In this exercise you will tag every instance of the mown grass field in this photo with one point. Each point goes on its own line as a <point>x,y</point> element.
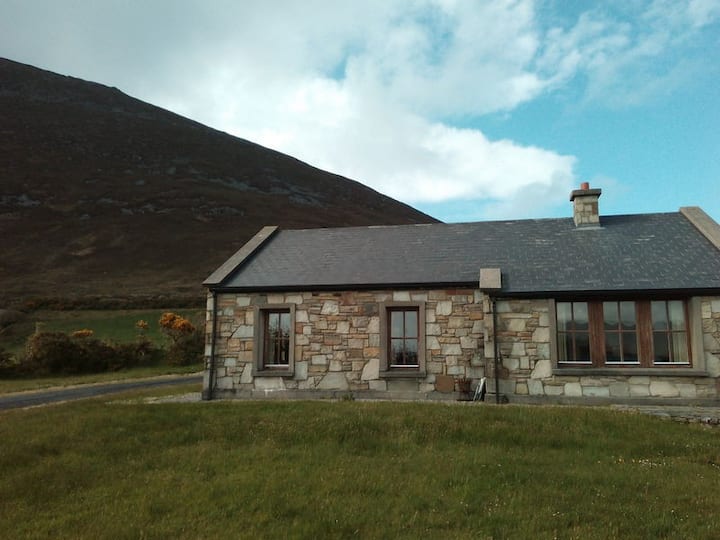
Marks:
<point>109,325</point>
<point>97,469</point>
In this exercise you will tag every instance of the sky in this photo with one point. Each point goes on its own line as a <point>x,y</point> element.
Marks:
<point>466,110</point>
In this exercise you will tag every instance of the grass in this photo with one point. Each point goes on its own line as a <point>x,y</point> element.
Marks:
<point>38,383</point>
<point>97,469</point>
<point>111,325</point>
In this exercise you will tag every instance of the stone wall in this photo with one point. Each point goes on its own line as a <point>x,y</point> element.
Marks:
<point>337,349</point>
<point>337,342</point>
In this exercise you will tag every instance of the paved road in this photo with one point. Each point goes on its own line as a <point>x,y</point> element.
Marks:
<point>43,397</point>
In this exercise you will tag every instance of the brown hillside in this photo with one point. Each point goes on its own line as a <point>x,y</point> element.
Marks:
<point>103,194</point>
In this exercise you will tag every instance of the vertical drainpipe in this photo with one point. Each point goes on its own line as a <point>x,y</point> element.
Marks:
<point>496,351</point>
<point>490,284</point>
<point>213,334</point>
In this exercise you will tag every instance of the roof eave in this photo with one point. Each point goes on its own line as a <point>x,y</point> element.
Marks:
<point>241,256</point>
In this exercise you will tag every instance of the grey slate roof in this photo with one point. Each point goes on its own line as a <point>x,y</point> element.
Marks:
<point>653,252</point>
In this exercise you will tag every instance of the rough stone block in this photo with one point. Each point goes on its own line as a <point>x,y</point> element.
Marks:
<point>663,389</point>
<point>319,360</point>
<point>456,322</point>
<point>444,307</point>
<point>275,298</point>
<point>521,389</point>
<point>554,390</point>
<point>573,389</point>
<point>541,335</point>
<point>301,316</point>
<point>687,390</point>
<point>330,307</point>
<point>242,300</point>
<point>373,325</point>
<point>269,383</point>
<point>596,391</point>
<point>432,329</point>
<point>619,389</point>
<point>451,349</point>
<point>243,331</point>
<point>468,343</point>
<point>535,387</point>
<point>293,299</point>
<point>379,385</point>
<point>333,381</point>
<point>371,371</point>
<point>335,365</point>
<point>401,296</point>
<point>542,370</point>
<point>301,371</point>
<point>639,390</point>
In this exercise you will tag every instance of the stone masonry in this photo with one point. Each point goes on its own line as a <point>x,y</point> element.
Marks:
<point>337,342</point>
<point>337,350</point>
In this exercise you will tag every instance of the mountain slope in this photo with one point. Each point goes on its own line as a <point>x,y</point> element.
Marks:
<point>103,194</point>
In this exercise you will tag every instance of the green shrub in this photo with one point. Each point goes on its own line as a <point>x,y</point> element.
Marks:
<point>188,349</point>
<point>58,353</point>
<point>9,367</point>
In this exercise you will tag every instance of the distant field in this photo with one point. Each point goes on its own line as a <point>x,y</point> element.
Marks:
<point>114,325</point>
<point>113,469</point>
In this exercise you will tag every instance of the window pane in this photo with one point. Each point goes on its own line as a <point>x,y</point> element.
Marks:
<point>627,315</point>
<point>679,347</point>
<point>582,347</point>
<point>564,347</point>
<point>660,347</point>
<point>273,323</point>
<point>564,315</point>
<point>284,323</point>
<point>677,315</point>
<point>397,351</point>
<point>580,312</point>
<point>411,351</point>
<point>411,324</point>
<point>396,324</point>
<point>610,315</point>
<point>272,352</point>
<point>629,340</point>
<point>612,347</point>
<point>659,315</point>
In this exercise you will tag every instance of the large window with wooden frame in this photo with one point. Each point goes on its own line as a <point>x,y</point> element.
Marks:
<point>402,339</point>
<point>274,340</point>
<point>622,333</point>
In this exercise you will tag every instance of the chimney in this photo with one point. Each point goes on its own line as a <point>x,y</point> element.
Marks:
<point>585,206</point>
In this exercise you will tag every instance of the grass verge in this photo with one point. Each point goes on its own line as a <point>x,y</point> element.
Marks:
<point>39,383</point>
<point>97,469</point>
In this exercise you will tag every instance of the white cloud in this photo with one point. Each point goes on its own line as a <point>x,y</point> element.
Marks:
<point>371,89</point>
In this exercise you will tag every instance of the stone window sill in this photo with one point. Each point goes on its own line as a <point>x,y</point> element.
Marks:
<point>403,374</point>
<point>638,372</point>
<point>272,373</point>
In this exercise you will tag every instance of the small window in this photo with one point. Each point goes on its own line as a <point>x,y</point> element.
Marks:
<point>274,340</point>
<point>276,346</point>
<point>402,339</point>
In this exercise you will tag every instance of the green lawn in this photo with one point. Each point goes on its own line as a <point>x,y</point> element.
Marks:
<point>97,469</point>
<point>38,383</point>
<point>111,325</point>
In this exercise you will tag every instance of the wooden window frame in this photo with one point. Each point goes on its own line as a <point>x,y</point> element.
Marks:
<point>260,367</point>
<point>643,330</point>
<point>387,369</point>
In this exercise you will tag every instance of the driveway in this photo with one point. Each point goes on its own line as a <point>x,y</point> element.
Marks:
<point>54,395</point>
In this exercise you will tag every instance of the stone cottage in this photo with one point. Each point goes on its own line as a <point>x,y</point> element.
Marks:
<point>589,308</point>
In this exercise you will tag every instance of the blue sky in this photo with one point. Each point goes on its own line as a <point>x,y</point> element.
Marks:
<point>465,110</point>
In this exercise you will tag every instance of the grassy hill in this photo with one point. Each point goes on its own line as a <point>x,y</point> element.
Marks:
<point>104,195</point>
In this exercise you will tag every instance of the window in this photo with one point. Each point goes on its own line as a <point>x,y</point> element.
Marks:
<point>276,333</point>
<point>402,339</point>
<point>622,333</point>
<point>274,340</point>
